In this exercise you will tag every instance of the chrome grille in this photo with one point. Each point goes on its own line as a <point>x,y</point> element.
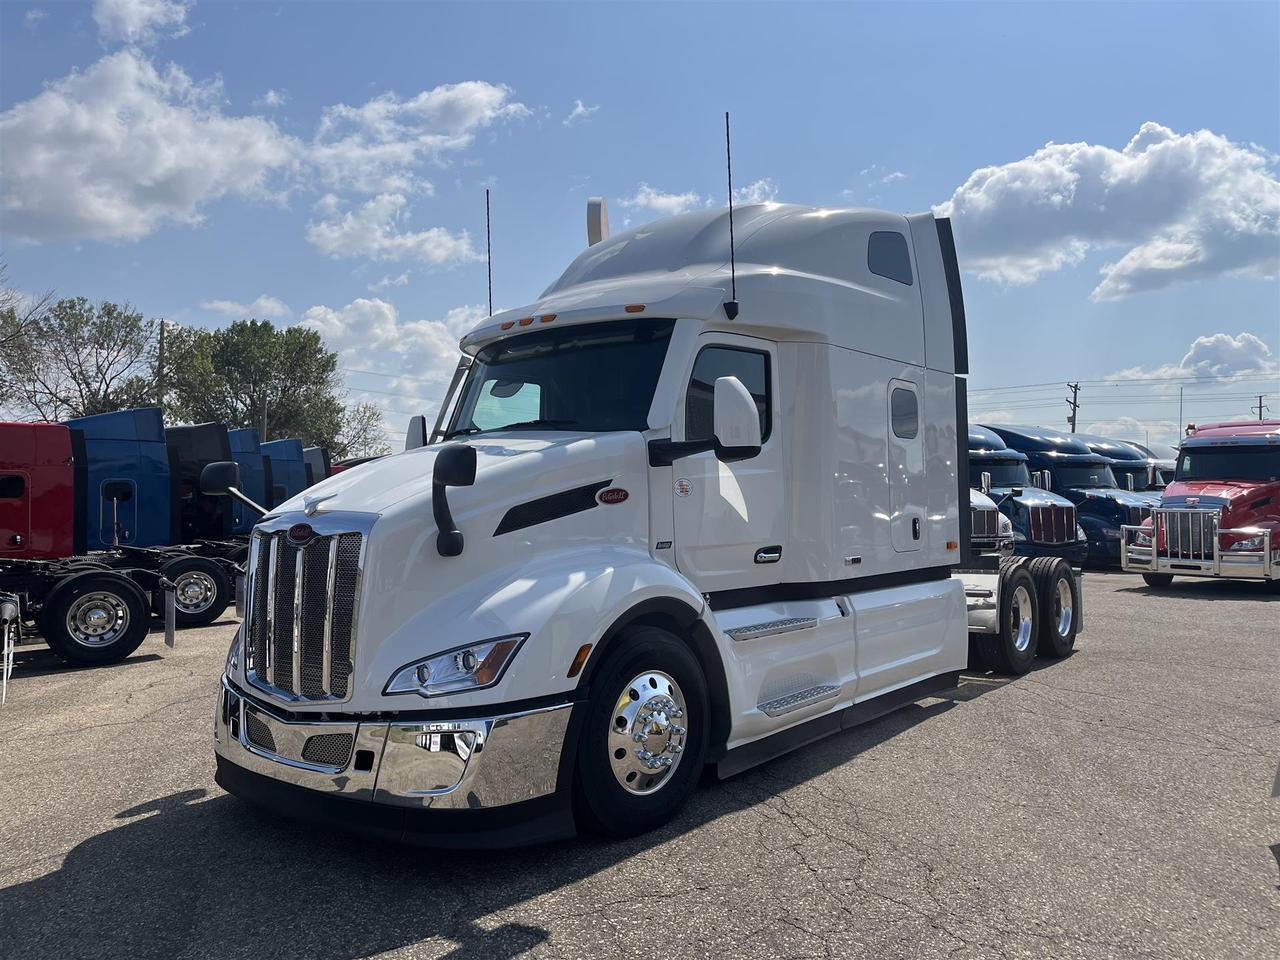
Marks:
<point>1052,524</point>
<point>1137,515</point>
<point>258,732</point>
<point>328,749</point>
<point>1187,534</point>
<point>984,523</point>
<point>302,608</point>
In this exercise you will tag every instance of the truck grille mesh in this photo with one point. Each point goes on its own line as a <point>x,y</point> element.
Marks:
<point>984,523</point>
<point>328,749</point>
<point>1053,524</point>
<point>1187,534</point>
<point>302,606</point>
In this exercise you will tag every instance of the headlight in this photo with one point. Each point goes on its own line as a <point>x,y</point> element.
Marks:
<point>233,655</point>
<point>1005,526</point>
<point>472,667</point>
<point>1250,543</point>
<point>1142,539</point>
<point>1019,536</point>
<point>1080,533</point>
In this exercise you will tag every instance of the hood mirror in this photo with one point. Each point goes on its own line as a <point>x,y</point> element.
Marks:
<point>984,483</point>
<point>455,466</point>
<point>222,479</point>
<point>417,435</point>
<point>1128,482</point>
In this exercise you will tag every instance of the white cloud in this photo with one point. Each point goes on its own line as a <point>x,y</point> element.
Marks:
<point>118,150</point>
<point>1134,428</point>
<point>579,113</point>
<point>389,281</point>
<point>667,204</point>
<point>263,308</point>
<point>140,21</point>
<point>271,100</point>
<point>374,230</point>
<point>1180,206</point>
<point>1216,356</point>
<point>31,19</point>
<point>403,366</point>
<point>378,147</point>
<point>759,191</point>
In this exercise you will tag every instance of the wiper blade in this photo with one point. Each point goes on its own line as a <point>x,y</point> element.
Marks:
<point>461,432</point>
<point>540,422</point>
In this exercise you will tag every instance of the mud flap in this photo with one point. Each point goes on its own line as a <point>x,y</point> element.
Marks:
<point>170,611</point>
<point>10,625</point>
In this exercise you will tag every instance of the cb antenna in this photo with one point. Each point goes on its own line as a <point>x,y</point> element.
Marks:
<point>488,248</point>
<point>731,306</point>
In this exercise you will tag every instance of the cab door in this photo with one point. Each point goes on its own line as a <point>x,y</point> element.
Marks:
<point>907,491</point>
<point>15,512</point>
<point>730,518</point>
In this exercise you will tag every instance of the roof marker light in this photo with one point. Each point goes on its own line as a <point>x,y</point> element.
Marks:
<point>546,318</point>
<point>525,321</point>
<point>507,324</point>
<point>634,308</point>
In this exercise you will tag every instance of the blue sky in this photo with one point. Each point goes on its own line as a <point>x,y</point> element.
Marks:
<point>325,163</point>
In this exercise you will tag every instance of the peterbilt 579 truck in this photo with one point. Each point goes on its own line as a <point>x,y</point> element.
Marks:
<point>1220,516</point>
<point>695,505</point>
<point>1064,464</point>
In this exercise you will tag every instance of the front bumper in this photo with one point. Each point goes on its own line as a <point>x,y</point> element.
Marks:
<point>497,780</point>
<point>1228,564</point>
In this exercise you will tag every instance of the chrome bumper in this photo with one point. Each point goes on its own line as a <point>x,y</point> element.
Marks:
<point>440,764</point>
<point>1207,559</point>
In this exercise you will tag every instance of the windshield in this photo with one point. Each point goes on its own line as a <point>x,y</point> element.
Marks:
<point>1004,473</point>
<point>1085,477</point>
<point>1256,464</point>
<point>594,377</point>
<point>1139,474</point>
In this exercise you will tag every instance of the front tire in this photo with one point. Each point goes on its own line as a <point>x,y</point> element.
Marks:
<point>1157,581</point>
<point>96,619</point>
<point>203,592</point>
<point>1013,649</point>
<point>645,736</point>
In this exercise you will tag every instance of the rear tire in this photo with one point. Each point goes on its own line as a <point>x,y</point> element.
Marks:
<point>1013,649</point>
<point>95,619</point>
<point>203,594</point>
<point>1158,581</point>
<point>650,684</point>
<point>1059,595</point>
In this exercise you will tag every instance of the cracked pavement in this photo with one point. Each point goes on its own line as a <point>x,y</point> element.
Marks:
<point>1115,804</point>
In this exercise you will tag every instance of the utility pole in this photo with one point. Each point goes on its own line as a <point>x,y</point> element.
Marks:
<point>263,435</point>
<point>1261,406</point>
<point>1074,402</point>
<point>160,367</point>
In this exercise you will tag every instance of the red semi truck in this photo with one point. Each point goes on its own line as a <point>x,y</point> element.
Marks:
<point>1220,516</point>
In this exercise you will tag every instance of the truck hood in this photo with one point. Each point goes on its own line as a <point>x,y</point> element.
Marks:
<point>377,486</point>
<point>1032,497</point>
<point>1220,491</point>
<point>1125,498</point>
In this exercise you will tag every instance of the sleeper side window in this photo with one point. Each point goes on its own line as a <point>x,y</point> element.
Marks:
<point>12,486</point>
<point>904,413</point>
<point>888,256</point>
<point>750,367</point>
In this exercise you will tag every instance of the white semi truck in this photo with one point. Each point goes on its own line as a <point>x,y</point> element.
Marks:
<point>695,505</point>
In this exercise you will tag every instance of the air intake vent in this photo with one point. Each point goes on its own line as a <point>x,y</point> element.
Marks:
<point>302,606</point>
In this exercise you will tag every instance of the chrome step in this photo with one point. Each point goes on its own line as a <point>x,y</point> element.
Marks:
<point>801,698</point>
<point>772,628</point>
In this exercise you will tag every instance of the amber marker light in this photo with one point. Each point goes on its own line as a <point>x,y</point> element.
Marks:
<point>952,545</point>
<point>634,308</point>
<point>546,318</point>
<point>579,659</point>
<point>507,324</point>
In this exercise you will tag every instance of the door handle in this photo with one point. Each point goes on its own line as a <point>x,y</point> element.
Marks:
<point>769,554</point>
<point>915,528</point>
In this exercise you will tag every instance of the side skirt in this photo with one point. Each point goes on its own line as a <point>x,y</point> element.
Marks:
<point>761,751</point>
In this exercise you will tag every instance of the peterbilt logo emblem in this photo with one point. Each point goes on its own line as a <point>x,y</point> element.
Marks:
<point>1193,500</point>
<point>613,495</point>
<point>300,533</point>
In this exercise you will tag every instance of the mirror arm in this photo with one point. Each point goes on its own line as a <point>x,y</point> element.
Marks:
<point>663,453</point>
<point>232,491</point>
<point>449,537</point>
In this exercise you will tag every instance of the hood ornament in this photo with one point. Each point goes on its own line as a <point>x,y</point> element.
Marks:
<point>310,505</point>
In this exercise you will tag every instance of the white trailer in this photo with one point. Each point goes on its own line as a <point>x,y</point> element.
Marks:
<point>693,506</point>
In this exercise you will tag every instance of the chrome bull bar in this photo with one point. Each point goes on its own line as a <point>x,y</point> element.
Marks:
<point>1187,542</point>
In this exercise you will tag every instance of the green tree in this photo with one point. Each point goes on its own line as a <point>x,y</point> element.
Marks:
<point>77,358</point>
<point>364,433</point>
<point>250,369</point>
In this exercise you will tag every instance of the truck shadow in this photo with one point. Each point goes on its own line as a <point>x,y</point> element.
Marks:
<point>40,661</point>
<point>202,872</point>
<point>1205,589</point>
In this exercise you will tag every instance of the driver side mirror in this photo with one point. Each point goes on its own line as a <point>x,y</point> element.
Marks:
<point>1128,481</point>
<point>1151,476</point>
<point>984,482</point>
<point>220,478</point>
<point>736,421</point>
<point>416,436</point>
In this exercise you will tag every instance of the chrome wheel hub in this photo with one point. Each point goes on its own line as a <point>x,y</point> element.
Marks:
<point>194,591</point>
<point>1063,608</point>
<point>1023,623</point>
<point>97,619</point>
<point>647,732</point>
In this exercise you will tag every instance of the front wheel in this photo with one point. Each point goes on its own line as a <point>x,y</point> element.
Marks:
<point>202,591</point>
<point>645,736</point>
<point>96,619</point>
<point>1157,581</point>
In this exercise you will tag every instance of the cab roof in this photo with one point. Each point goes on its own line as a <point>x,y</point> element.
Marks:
<point>1047,440</point>
<point>1116,450</point>
<point>1241,428</point>
<point>986,444</point>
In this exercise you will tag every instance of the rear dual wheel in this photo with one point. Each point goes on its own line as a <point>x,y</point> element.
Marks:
<point>1013,648</point>
<point>95,619</point>
<point>202,591</point>
<point>1058,593</point>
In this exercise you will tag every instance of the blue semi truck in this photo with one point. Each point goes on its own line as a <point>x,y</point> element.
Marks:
<point>1064,464</point>
<point>1044,523</point>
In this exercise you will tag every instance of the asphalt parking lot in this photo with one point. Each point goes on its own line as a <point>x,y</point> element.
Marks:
<point>1114,804</point>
